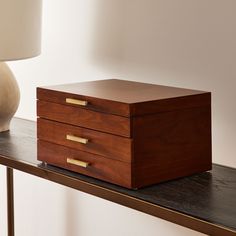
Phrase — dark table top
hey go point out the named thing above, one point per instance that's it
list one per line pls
(205, 202)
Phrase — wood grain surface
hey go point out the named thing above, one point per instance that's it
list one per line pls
(94, 103)
(171, 145)
(107, 145)
(109, 123)
(125, 98)
(169, 128)
(113, 171)
(123, 91)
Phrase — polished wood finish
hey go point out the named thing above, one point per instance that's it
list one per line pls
(94, 103)
(103, 144)
(10, 202)
(178, 145)
(166, 133)
(124, 98)
(173, 104)
(83, 117)
(204, 202)
(99, 167)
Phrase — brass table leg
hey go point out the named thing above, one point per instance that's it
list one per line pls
(10, 202)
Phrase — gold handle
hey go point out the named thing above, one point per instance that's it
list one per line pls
(77, 162)
(76, 102)
(76, 139)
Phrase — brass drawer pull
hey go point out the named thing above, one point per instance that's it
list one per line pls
(76, 102)
(76, 139)
(77, 162)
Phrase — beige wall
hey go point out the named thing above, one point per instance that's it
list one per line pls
(185, 43)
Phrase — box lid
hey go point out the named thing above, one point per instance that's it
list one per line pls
(125, 98)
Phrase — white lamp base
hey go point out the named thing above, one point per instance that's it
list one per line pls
(9, 96)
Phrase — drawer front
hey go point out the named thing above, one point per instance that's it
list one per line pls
(108, 145)
(85, 118)
(91, 103)
(113, 171)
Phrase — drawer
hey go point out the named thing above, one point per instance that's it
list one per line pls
(109, 123)
(75, 96)
(113, 171)
(108, 145)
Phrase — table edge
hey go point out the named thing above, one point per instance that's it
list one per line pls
(120, 198)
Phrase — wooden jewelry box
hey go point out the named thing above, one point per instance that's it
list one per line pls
(127, 133)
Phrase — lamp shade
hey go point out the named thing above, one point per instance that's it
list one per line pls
(20, 29)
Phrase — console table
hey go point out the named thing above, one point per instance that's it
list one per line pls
(204, 202)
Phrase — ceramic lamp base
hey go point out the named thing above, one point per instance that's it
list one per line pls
(9, 96)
